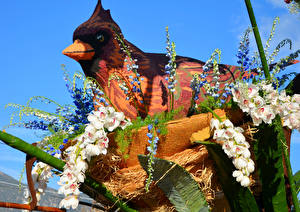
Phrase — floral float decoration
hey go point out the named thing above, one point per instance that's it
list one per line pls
(293, 5)
(94, 127)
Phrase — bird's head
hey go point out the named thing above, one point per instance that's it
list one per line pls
(94, 43)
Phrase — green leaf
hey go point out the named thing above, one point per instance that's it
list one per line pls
(177, 184)
(268, 153)
(239, 198)
(297, 181)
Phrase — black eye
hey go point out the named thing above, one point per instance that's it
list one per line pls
(100, 37)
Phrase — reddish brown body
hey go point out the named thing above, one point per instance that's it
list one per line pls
(100, 56)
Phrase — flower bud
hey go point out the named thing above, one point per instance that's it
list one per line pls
(245, 181)
(240, 163)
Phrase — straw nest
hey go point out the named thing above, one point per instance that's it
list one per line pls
(126, 178)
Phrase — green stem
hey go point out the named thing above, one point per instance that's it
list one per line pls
(258, 39)
(172, 102)
(205, 143)
(267, 75)
(58, 164)
(214, 114)
(291, 180)
(289, 171)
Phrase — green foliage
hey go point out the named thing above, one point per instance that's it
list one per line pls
(297, 181)
(275, 22)
(239, 198)
(268, 153)
(209, 102)
(27, 110)
(124, 137)
(177, 184)
(297, 184)
(56, 138)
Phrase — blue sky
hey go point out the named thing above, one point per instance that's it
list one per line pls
(33, 35)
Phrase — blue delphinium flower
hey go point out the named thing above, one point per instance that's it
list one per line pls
(51, 150)
(212, 88)
(170, 68)
(152, 149)
(243, 51)
(37, 125)
(133, 91)
(197, 83)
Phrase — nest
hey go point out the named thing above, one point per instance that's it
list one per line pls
(126, 178)
(129, 183)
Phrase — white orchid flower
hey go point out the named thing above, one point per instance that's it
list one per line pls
(69, 201)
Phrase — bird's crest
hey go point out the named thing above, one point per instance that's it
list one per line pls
(103, 17)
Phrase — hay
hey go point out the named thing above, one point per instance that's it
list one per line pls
(129, 183)
(126, 178)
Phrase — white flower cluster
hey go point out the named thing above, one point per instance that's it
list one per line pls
(264, 109)
(92, 142)
(236, 147)
(40, 176)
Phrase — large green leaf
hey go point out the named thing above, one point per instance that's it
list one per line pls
(177, 184)
(239, 198)
(268, 153)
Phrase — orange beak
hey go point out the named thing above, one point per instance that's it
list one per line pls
(79, 51)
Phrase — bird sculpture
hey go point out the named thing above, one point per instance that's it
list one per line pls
(101, 56)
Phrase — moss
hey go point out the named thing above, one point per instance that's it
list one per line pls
(123, 137)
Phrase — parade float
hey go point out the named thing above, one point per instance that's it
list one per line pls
(161, 132)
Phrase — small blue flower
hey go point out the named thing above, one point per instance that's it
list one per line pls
(65, 141)
(150, 135)
(150, 126)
